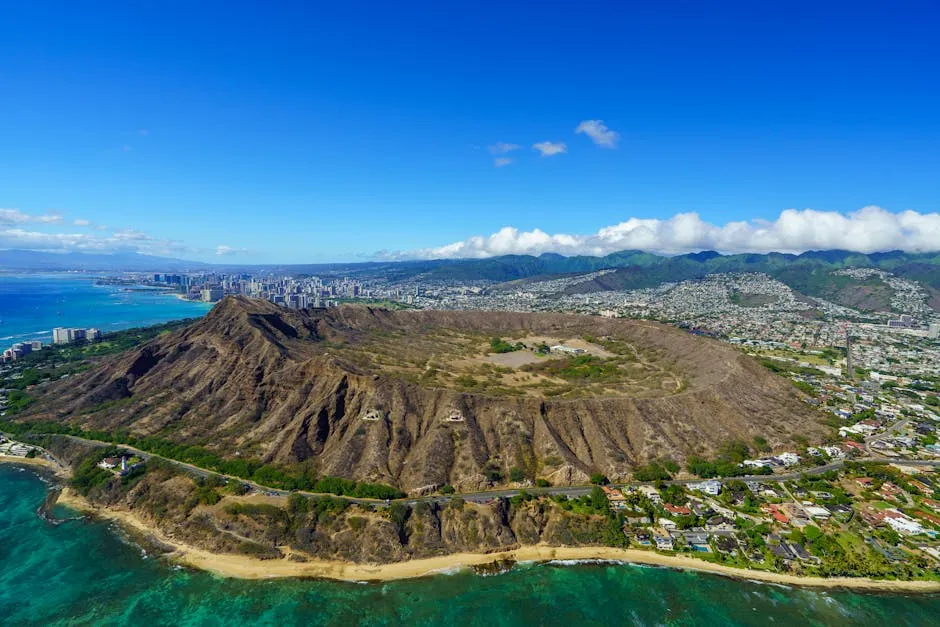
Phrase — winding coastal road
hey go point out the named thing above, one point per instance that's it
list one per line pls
(573, 491)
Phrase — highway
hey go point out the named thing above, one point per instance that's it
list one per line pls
(573, 491)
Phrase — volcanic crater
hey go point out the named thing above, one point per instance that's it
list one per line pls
(419, 399)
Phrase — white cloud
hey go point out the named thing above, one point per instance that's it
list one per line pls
(501, 148)
(867, 230)
(225, 251)
(15, 216)
(121, 241)
(599, 133)
(501, 161)
(81, 222)
(547, 149)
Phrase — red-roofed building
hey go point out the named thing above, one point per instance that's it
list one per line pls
(679, 510)
(890, 491)
(615, 497)
(775, 512)
(853, 446)
(922, 487)
(925, 516)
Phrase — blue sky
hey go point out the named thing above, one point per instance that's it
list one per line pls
(292, 132)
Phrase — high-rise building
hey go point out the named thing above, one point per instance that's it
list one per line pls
(212, 294)
(60, 335)
(76, 335)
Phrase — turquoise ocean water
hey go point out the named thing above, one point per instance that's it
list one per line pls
(82, 573)
(32, 305)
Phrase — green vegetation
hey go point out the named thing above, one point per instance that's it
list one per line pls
(726, 464)
(599, 479)
(805, 388)
(655, 471)
(499, 345)
(787, 367)
(17, 401)
(88, 475)
(57, 361)
(269, 475)
(579, 368)
(760, 443)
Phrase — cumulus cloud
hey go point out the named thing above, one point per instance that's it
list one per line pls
(547, 149)
(598, 132)
(867, 230)
(501, 161)
(501, 148)
(81, 222)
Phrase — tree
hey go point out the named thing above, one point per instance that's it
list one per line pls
(516, 474)
(598, 500)
(599, 479)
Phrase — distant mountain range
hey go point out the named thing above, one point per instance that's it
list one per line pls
(635, 269)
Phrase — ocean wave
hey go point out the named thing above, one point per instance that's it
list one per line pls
(590, 561)
(447, 570)
(23, 335)
(769, 583)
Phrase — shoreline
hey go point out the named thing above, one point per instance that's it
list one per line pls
(35, 461)
(244, 567)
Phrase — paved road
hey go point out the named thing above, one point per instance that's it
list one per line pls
(489, 495)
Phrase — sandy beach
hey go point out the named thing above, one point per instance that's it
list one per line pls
(35, 461)
(244, 567)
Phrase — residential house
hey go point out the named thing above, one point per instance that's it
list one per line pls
(651, 493)
(710, 487)
(815, 511)
(719, 523)
(920, 486)
(725, 544)
(634, 517)
(698, 540)
(667, 524)
(678, 510)
(615, 497)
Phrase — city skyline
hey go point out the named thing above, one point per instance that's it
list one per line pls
(302, 134)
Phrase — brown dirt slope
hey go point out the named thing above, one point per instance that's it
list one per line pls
(252, 379)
